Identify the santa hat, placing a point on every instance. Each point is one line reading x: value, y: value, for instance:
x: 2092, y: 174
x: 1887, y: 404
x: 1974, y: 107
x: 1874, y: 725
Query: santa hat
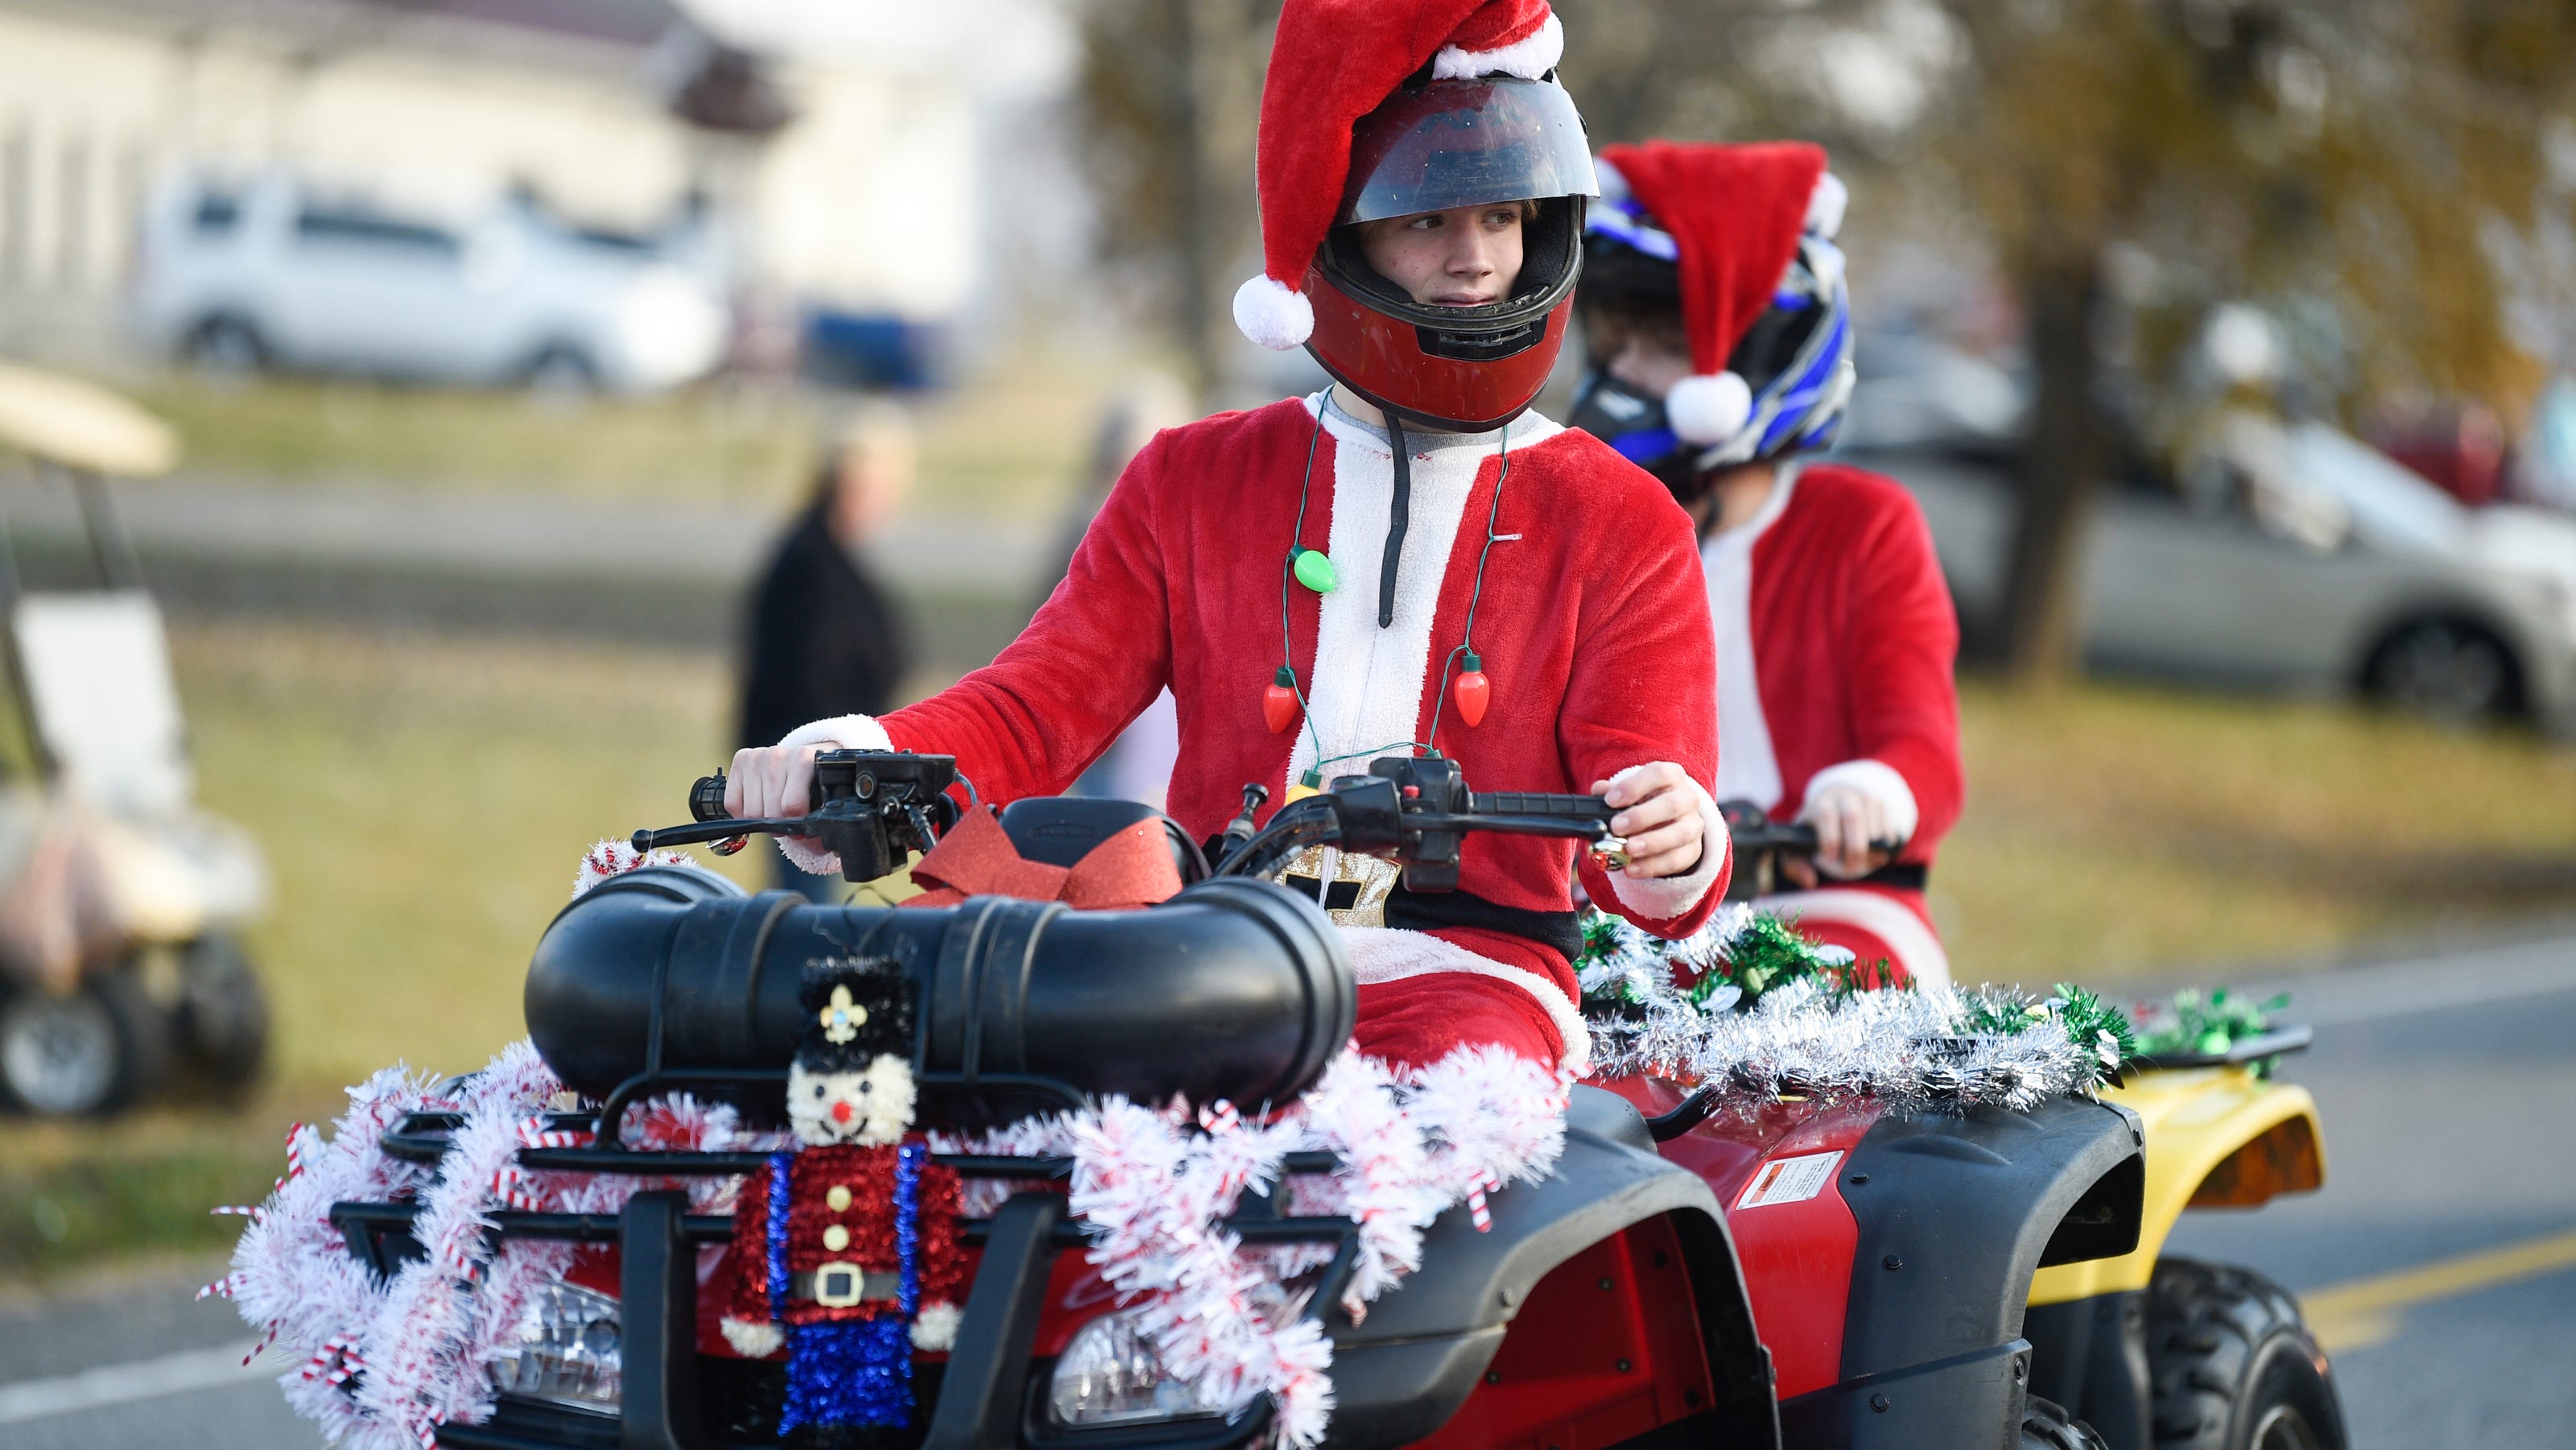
x: 1736, y: 215
x: 856, y: 1009
x: 1332, y: 62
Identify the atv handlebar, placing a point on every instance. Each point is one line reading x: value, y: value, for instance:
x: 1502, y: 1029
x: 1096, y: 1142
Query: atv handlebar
x: 871, y: 808
x: 1415, y: 812
x: 1762, y: 843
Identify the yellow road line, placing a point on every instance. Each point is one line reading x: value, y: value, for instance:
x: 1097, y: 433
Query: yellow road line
x: 2365, y: 1311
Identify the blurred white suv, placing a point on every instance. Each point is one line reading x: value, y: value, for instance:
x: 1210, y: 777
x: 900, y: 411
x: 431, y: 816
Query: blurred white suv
x: 273, y: 273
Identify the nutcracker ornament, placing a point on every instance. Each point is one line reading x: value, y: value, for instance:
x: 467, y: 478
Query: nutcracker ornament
x: 846, y: 1249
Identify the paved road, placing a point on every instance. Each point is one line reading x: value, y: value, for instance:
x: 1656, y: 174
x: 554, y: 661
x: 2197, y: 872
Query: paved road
x: 2445, y: 1087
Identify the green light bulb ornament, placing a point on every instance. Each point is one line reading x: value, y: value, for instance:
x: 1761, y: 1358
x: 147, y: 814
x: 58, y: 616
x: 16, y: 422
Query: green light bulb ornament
x: 1315, y: 570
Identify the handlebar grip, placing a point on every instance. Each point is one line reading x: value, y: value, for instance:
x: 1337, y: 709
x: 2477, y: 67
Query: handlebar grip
x: 707, y: 798
x: 1538, y: 803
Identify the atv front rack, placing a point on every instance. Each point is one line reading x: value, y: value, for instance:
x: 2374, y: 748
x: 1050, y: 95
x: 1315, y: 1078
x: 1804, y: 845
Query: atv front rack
x: 980, y: 1399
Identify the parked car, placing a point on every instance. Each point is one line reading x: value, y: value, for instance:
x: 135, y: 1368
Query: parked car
x: 2437, y: 609
x: 276, y: 273
x: 2326, y: 567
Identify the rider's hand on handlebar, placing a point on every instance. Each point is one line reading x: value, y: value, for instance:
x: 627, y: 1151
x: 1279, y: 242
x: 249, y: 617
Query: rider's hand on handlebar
x: 1846, y: 821
x: 772, y: 780
x: 1659, y: 819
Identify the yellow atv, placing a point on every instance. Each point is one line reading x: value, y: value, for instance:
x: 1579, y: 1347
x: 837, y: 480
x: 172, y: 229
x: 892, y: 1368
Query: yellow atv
x: 2174, y: 1353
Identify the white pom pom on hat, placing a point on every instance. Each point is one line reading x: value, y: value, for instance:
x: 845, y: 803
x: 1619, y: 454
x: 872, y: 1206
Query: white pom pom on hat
x: 1272, y: 315
x: 1709, y: 408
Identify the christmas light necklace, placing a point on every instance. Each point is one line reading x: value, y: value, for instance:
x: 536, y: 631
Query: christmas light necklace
x: 1284, y: 702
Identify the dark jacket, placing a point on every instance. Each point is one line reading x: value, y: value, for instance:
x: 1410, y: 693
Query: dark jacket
x: 824, y: 639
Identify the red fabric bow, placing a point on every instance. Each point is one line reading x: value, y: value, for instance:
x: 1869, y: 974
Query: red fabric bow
x: 1131, y: 869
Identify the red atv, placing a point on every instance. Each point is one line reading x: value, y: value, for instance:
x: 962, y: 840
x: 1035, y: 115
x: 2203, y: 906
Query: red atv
x: 1808, y: 1276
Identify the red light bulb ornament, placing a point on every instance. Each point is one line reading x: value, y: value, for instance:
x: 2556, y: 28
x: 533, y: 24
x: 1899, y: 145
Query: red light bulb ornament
x: 1279, y: 702
x: 1472, y: 691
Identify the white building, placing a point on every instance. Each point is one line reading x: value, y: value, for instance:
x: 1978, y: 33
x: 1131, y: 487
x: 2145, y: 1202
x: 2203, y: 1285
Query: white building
x: 872, y: 197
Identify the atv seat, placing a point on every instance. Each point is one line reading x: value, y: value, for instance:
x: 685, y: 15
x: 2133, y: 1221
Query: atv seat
x: 1061, y: 830
x: 96, y: 668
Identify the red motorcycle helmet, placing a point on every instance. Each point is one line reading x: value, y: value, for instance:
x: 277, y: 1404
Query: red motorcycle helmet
x: 1434, y: 145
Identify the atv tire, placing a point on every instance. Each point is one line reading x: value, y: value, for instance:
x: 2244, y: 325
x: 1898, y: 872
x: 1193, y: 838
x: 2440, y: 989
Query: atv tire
x: 97, y: 1050
x: 2232, y: 1365
x: 223, y: 1012
x: 2046, y: 1426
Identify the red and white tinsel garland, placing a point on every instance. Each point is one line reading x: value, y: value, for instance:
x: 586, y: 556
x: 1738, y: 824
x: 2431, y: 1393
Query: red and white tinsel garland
x: 1155, y: 1186
x: 615, y: 858
x: 383, y: 1364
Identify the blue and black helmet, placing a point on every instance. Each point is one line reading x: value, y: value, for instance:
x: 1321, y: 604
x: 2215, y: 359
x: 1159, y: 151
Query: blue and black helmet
x: 1796, y: 360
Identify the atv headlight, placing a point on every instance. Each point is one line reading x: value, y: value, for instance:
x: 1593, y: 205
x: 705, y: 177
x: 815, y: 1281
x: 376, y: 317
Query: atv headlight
x: 1109, y: 1375
x: 567, y: 1350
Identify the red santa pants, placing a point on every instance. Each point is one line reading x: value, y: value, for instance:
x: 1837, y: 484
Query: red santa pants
x: 1416, y: 1021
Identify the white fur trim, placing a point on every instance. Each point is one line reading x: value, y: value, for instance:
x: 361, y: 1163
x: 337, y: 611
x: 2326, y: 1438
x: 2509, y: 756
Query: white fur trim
x: 935, y: 1327
x: 1709, y: 408
x: 1747, y: 767
x: 1915, y: 948
x: 751, y: 1338
x: 1273, y: 315
x: 842, y: 732
x: 1391, y: 954
x: 1665, y: 897
x: 1825, y: 205
x: 1367, y: 683
x: 1873, y: 778
x: 1529, y: 57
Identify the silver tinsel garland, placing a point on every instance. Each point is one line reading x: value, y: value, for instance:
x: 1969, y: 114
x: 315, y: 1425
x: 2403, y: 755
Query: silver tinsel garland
x: 1929, y: 1049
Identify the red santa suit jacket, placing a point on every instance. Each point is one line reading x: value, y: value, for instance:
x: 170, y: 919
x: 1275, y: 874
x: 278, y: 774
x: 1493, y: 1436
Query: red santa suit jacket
x: 1836, y: 645
x: 1591, y: 628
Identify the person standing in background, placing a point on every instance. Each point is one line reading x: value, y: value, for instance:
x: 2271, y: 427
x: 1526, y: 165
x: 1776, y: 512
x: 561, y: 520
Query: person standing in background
x: 824, y: 638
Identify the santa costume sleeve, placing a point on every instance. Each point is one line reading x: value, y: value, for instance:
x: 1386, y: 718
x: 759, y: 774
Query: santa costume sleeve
x: 1638, y: 694
x: 1095, y: 656
x: 1899, y: 663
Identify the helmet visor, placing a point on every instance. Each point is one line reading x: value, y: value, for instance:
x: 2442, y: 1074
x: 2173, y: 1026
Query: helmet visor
x: 1466, y: 143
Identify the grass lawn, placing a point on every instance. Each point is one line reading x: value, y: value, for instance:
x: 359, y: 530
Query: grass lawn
x: 424, y: 800
x: 2115, y: 832
x: 1015, y: 440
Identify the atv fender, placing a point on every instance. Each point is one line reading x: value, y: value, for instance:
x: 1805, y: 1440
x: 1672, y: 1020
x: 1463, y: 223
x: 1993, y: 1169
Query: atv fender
x: 2240, y: 1137
x: 1955, y: 1215
x: 1407, y: 1367
x: 2216, y: 1137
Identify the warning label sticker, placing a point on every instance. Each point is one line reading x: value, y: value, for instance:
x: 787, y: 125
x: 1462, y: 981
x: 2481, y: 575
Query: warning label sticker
x: 1789, y: 1180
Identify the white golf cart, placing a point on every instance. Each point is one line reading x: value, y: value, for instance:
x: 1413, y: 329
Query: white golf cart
x: 119, y: 900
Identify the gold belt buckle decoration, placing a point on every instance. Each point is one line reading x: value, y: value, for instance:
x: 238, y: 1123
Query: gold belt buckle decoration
x: 1374, y: 879
x: 840, y: 1285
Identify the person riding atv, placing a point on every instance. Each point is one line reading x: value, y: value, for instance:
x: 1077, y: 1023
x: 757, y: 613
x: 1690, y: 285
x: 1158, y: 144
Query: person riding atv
x: 1409, y: 563
x: 1718, y: 330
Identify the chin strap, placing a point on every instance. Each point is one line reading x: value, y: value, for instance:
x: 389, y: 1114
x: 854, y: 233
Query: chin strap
x: 1399, y: 513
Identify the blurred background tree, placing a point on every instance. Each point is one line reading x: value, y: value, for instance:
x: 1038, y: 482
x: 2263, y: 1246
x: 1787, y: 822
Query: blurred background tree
x: 2365, y: 172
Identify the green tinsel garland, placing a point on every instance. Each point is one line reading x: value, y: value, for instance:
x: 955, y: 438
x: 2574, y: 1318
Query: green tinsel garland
x: 1740, y: 959
x: 1657, y: 1004
x: 2194, y: 1025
